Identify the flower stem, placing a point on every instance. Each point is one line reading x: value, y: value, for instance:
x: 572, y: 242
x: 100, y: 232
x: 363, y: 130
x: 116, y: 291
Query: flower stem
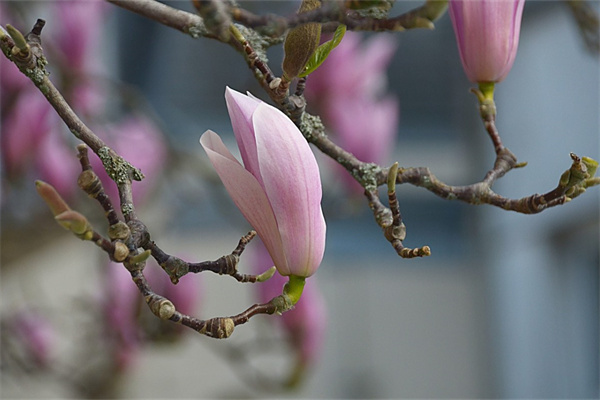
x: 487, y: 89
x: 293, y: 289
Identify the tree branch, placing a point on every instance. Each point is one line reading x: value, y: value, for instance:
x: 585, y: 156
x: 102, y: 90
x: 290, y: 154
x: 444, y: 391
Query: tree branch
x: 188, y: 23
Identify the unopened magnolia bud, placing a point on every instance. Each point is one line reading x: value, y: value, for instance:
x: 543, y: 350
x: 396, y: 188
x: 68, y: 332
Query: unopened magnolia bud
x: 161, y: 307
x: 119, y: 231
x: 76, y: 223
x: 395, y: 232
x: 300, y: 43
x: 51, y: 197
x: 121, y: 251
x: 89, y: 182
x: 574, y: 175
x: 219, y: 328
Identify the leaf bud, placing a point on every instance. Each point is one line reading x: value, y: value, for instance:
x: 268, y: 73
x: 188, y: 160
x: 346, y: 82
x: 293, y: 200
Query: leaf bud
x: 136, y: 260
x: 591, y: 164
x: 21, y: 45
x: 51, y: 197
x: 121, y: 251
x: 300, y: 43
x: 161, y: 307
x: 76, y: 223
x: 219, y: 328
x: 119, y: 231
x: 268, y: 274
x: 89, y: 182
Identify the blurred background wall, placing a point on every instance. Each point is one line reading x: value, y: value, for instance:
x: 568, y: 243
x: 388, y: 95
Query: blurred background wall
x: 506, y: 305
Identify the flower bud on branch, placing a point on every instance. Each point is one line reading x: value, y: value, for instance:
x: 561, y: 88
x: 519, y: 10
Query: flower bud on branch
x: 76, y: 223
x: 487, y: 33
x: 278, y: 190
x: 52, y: 198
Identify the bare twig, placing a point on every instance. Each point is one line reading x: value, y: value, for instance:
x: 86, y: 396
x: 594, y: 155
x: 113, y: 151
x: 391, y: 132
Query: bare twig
x: 226, y: 265
x: 183, y: 21
x: 390, y: 219
x: 336, y: 11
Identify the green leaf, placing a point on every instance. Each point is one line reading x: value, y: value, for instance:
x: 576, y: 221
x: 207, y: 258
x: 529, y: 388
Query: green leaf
x: 323, y: 51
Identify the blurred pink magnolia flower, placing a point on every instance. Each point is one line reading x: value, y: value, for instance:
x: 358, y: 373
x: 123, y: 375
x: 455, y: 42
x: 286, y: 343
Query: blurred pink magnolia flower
x: 11, y: 80
x: 79, y: 28
x: 347, y: 90
x: 487, y: 33
x: 139, y: 141
x: 354, y: 69
x: 32, y: 136
x: 56, y: 163
x: 80, y: 25
x: 36, y: 334
x: 278, y: 189
x: 123, y: 308
x: 88, y: 97
x: 305, y: 325
x: 121, y: 303
x: 24, y: 127
x: 366, y: 128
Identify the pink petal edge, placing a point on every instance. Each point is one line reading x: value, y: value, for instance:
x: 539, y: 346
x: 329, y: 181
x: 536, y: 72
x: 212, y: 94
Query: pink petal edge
x: 293, y: 181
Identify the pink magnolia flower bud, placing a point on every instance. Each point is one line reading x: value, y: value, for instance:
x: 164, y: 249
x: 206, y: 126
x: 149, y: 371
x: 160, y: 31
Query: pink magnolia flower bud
x: 487, y: 32
x: 278, y: 189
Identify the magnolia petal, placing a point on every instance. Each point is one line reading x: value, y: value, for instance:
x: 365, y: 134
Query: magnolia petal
x: 241, y: 108
x: 247, y: 194
x: 293, y: 186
